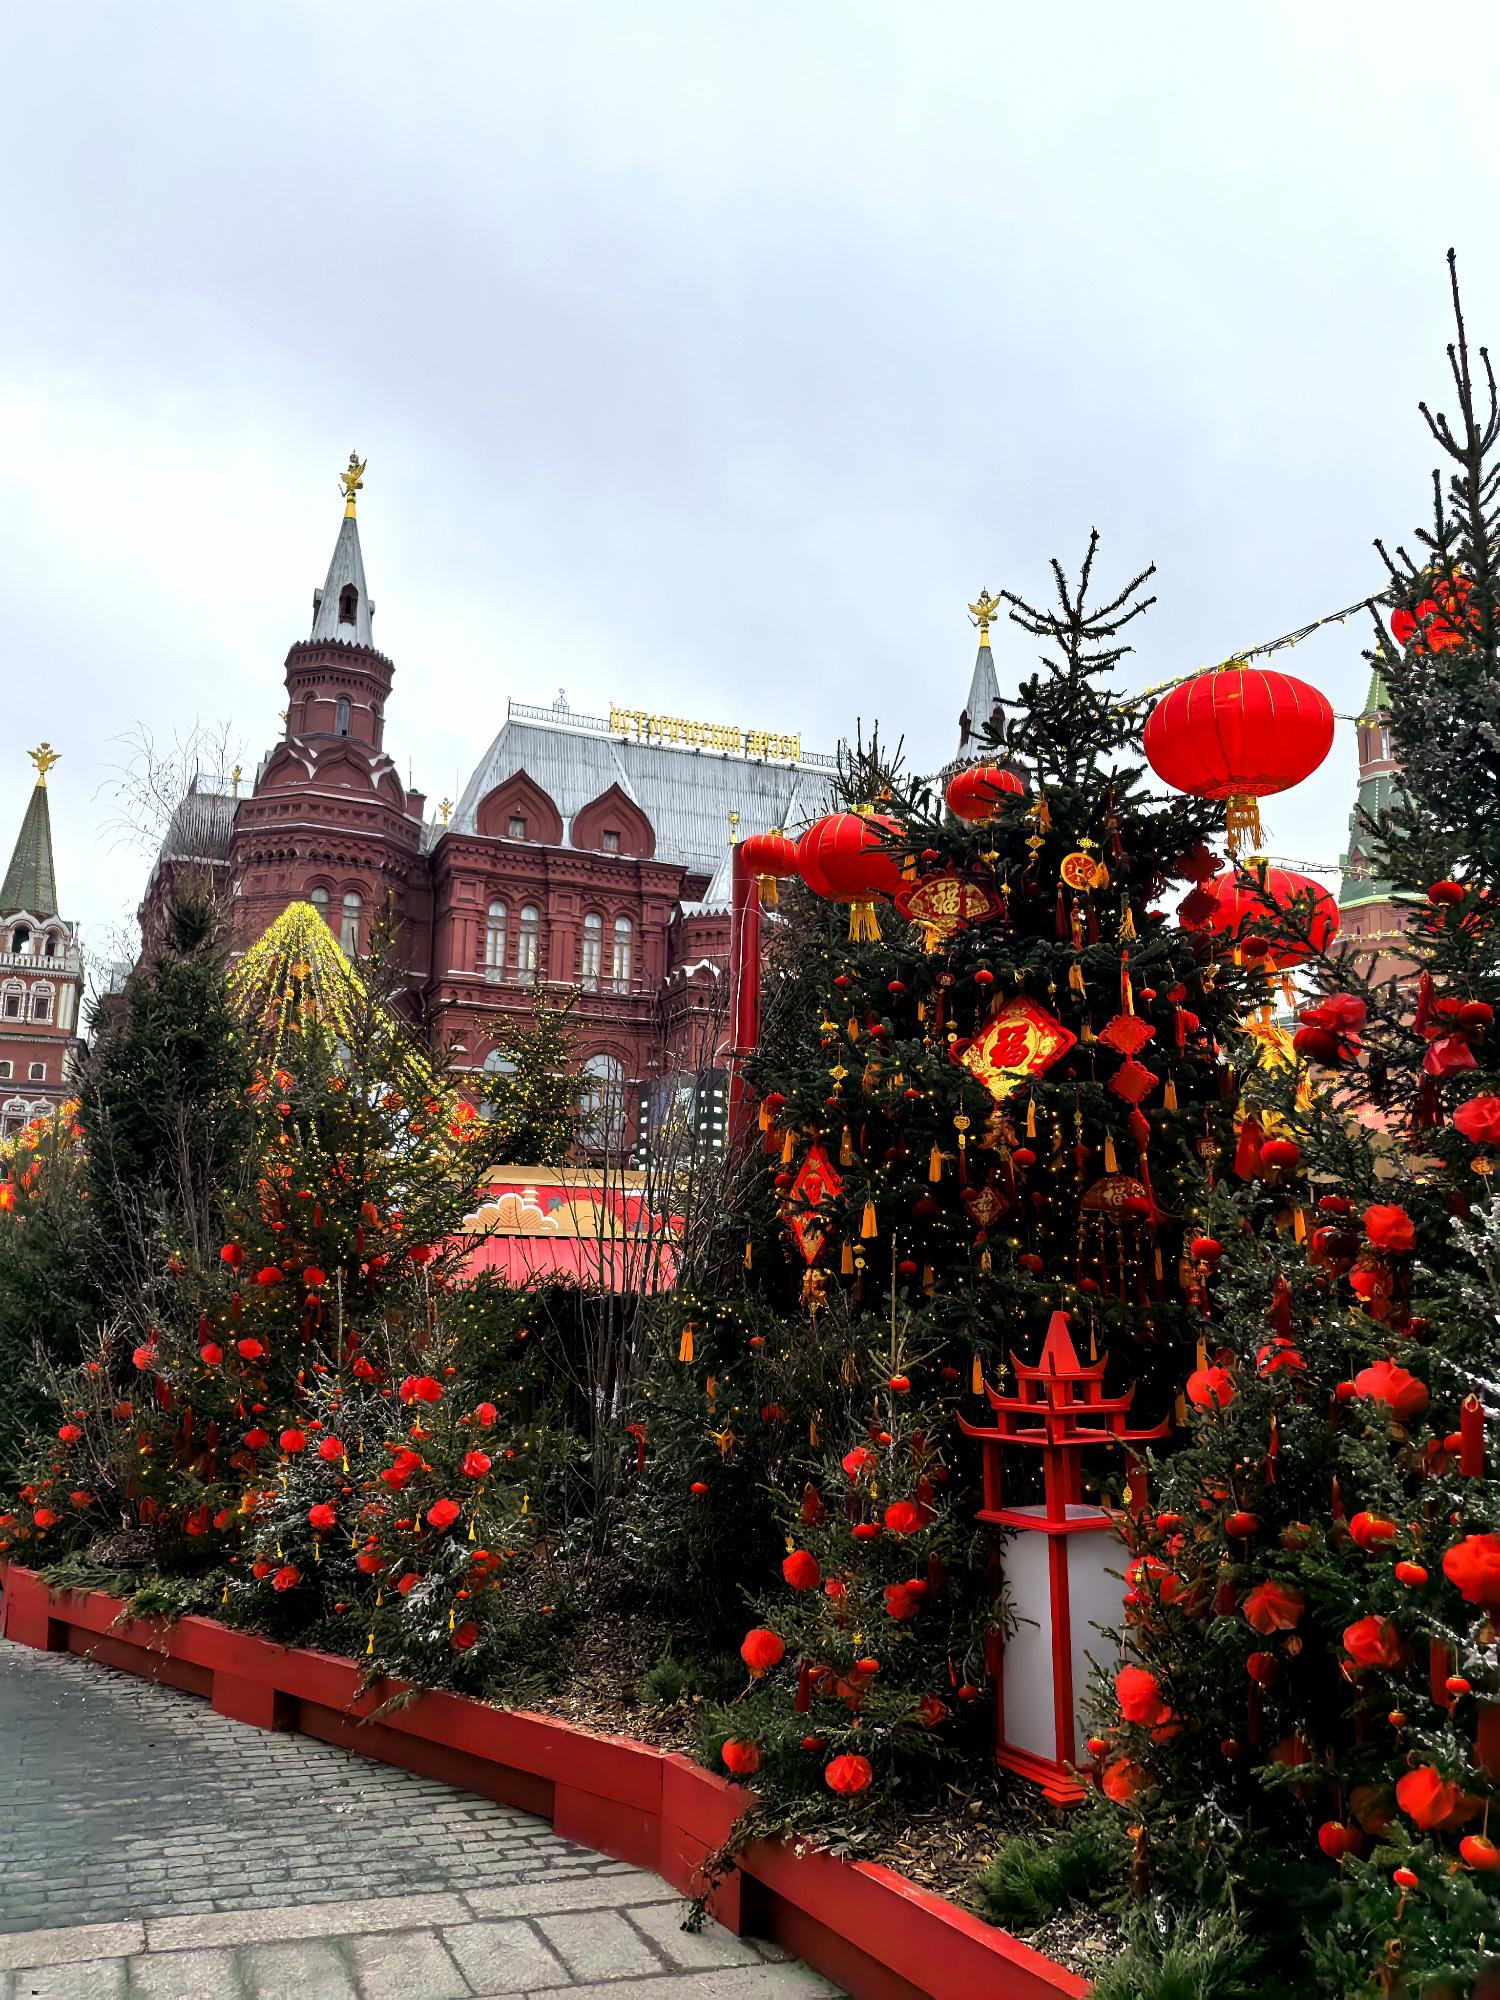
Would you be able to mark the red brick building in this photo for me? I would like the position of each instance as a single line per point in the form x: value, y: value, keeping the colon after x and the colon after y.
x: 586, y: 854
x: 1369, y: 917
x: 41, y: 970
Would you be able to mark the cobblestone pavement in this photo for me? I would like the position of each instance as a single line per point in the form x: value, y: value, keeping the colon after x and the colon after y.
x: 153, y: 1850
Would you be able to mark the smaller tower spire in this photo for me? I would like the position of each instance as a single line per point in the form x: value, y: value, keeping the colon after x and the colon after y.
x: 342, y: 609
x: 983, y: 705
x: 30, y: 884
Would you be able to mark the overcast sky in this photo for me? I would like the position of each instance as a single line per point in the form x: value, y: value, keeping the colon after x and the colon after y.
x: 707, y: 358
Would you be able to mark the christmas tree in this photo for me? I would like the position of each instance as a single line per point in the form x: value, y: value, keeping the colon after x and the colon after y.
x: 1307, y: 1729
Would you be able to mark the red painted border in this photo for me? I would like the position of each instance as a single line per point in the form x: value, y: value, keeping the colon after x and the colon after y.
x: 638, y: 1804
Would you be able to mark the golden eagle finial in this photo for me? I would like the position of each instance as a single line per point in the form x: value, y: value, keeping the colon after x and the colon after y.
x: 982, y: 614
x: 44, y: 757
x: 352, y: 481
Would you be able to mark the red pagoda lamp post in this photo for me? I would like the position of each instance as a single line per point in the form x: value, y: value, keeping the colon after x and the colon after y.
x: 1057, y: 1562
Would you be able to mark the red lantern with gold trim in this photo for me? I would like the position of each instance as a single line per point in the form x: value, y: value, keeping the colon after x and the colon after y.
x: 974, y: 795
x: 1238, y: 734
x: 842, y: 858
x: 1236, y: 905
x: 769, y: 855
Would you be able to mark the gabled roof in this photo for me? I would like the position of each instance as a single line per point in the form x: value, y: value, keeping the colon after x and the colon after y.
x: 30, y: 885
x: 687, y: 794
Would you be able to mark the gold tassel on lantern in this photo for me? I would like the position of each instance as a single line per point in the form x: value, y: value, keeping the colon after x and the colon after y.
x: 786, y: 1150
x: 747, y: 1254
x: 685, y: 1345
x: 846, y: 1261
x: 1243, y: 825
x: 846, y: 1149
x: 1179, y: 1409
x: 976, y: 1376
x: 863, y: 928
x: 768, y: 896
x: 1075, y: 980
x: 1031, y: 1117
x: 935, y: 1165
x: 1299, y: 1225
x: 1169, y: 1095
x: 1127, y: 926
x: 867, y: 1224
x: 1111, y: 1157
x: 765, y: 1116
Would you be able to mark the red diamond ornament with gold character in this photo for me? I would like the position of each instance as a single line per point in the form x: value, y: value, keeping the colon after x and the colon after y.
x: 1019, y: 1041
x: 818, y: 1179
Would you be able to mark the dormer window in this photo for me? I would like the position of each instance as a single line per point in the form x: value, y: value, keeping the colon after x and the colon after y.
x: 611, y: 840
x: 341, y: 717
x: 348, y: 604
x: 515, y: 827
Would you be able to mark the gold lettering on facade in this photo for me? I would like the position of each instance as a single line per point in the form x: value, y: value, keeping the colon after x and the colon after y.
x: 645, y: 727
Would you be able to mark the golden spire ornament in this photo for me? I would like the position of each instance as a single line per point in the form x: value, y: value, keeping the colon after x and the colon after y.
x: 44, y: 757
x: 982, y: 613
x: 352, y: 481
x: 445, y: 810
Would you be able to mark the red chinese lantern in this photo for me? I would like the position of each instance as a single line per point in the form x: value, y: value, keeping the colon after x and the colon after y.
x: 1434, y: 624
x: 1239, y: 734
x: 974, y: 795
x: 843, y: 859
x: 1236, y: 906
x: 769, y: 854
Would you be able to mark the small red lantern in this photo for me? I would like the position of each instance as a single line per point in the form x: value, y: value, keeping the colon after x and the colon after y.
x: 843, y: 858
x: 974, y: 795
x: 1235, y: 906
x: 1239, y: 734
x: 768, y: 855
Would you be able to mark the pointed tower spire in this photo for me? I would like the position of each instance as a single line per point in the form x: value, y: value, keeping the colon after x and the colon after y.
x: 342, y: 609
x: 1369, y: 916
x: 30, y: 884
x: 983, y: 704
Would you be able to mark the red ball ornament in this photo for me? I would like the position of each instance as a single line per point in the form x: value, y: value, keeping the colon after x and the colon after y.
x: 843, y: 859
x: 1446, y: 892
x: 974, y: 795
x: 1479, y: 1852
x: 1281, y: 1152
x: 1239, y: 734
x: 1234, y: 906
x: 769, y: 855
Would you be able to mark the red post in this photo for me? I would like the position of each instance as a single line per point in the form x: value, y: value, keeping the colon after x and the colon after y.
x: 744, y: 991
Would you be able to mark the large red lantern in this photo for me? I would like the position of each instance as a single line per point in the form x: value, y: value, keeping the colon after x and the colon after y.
x: 974, y: 794
x: 1236, y: 907
x: 768, y: 855
x: 1238, y: 734
x: 1435, y: 624
x: 843, y: 859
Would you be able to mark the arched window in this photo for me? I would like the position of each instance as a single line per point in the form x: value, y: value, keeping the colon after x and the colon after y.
x: 528, y: 938
x: 37, y: 1072
x: 20, y: 937
x: 341, y: 716
x: 349, y: 928
x: 5, y: 1069
x: 494, y: 940
x: 319, y: 900
x: 601, y: 1103
x: 593, y: 951
x: 14, y: 1116
x: 348, y: 604
x: 495, y: 1065
x: 51, y: 944
x: 12, y: 1000
x: 41, y: 1003
x: 619, y: 970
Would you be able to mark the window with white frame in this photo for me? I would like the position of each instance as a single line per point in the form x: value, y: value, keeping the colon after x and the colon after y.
x: 528, y: 939
x: 349, y: 927
x: 494, y: 934
x: 495, y: 1065
x: 37, y: 1073
x: 12, y: 1001
x: 5, y: 1068
x: 592, y: 958
x: 41, y: 1003
x: 515, y: 827
x: 619, y: 969
x: 609, y: 840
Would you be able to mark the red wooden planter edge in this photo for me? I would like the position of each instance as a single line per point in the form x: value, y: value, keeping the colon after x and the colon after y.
x: 863, y: 1924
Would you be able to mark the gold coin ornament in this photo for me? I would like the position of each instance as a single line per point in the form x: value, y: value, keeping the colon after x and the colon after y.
x: 1082, y: 871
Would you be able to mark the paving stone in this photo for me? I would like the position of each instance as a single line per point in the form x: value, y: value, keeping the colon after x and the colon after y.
x: 312, y: 1969
x: 736, y: 1982
x: 405, y: 1965
x: 83, y: 1979
x: 598, y: 1944
x: 265, y: 1925
x: 57, y: 1947
x: 185, y: 1975
x: 713, y: 1945
x: 504, y: 1958
x: 537, y: 1898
